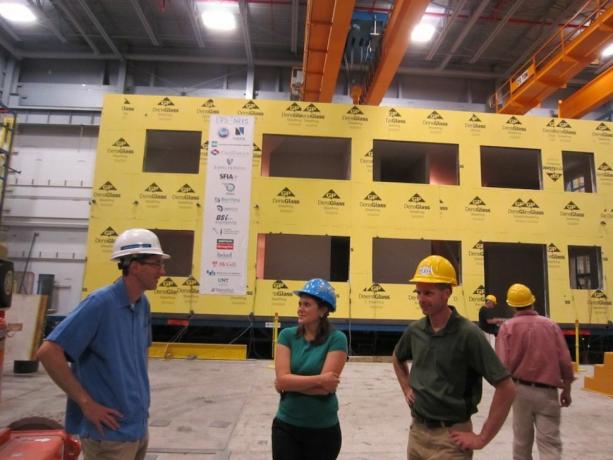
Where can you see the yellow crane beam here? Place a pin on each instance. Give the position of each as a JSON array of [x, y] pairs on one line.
[[327, 25], [543, 75], [596, 93], [403, 17]]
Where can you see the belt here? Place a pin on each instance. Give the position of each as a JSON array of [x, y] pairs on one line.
[[534, 384], [432, 423]]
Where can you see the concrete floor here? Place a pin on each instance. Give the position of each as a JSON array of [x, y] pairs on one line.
[[223, 410]]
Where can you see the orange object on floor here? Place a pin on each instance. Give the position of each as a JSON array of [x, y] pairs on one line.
[[38, 445]]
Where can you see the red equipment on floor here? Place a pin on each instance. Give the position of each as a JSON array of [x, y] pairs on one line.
[[31, 441]]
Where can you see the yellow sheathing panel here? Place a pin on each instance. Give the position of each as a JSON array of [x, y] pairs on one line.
[[359, 208]]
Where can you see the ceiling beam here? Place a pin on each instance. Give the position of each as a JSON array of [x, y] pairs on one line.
[[441, 36], [4, 25], [488, 41], [92, 17], [47, 22], [294, 22], [244, 18], [10, 48], [194, 20], [75, 23], [404, 16], [467, 28], [144, 22], [596, 93]]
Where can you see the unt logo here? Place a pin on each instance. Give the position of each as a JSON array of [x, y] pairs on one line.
[[186, 189], [293, 108], [166, 102], [107, 187], [374, 287], [250, 105], [168, 283], [279, 285], [109, 232], [372, 196], [331, 195], [434, 116], [311, 108], [354, 111], [286, 193], [153, 188]]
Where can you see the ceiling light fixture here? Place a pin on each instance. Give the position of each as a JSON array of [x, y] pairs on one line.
[[16, 12], [422, 33], [608, 51], [220, 19]]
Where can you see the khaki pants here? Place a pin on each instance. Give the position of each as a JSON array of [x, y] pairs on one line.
[[110, 450], [436, 443], [540, 408]]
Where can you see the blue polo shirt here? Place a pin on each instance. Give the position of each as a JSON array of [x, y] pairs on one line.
[[106, 340]]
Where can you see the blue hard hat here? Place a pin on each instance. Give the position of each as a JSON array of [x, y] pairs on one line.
[[320, 289]]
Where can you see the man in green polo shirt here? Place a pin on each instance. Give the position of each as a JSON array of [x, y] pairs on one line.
[[449, 358]]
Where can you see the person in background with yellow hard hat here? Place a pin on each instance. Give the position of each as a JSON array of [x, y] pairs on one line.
[[450, 357], [534, 350], [309, 360], [487, 323], [106, 339]]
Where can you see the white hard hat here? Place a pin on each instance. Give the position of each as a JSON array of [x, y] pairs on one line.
[[137, 241]]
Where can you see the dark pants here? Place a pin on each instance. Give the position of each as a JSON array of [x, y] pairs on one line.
[[291, 442]]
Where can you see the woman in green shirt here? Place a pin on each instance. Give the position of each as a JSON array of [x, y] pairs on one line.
[[308, 364]]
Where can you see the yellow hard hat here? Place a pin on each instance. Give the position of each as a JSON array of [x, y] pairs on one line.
[[491, 297], [519, 296], [435, 269]]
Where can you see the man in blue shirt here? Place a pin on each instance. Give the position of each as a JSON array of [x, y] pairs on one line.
[[106, 340]]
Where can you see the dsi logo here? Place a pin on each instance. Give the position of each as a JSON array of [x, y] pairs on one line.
[[223, 132]]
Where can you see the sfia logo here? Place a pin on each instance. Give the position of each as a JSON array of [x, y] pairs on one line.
[[286, 192], [372, 196], [109, 232], [153, 188], [186, 188], [294, 107]]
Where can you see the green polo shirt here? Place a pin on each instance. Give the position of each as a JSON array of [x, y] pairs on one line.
[[448, 367], [306, 359]]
